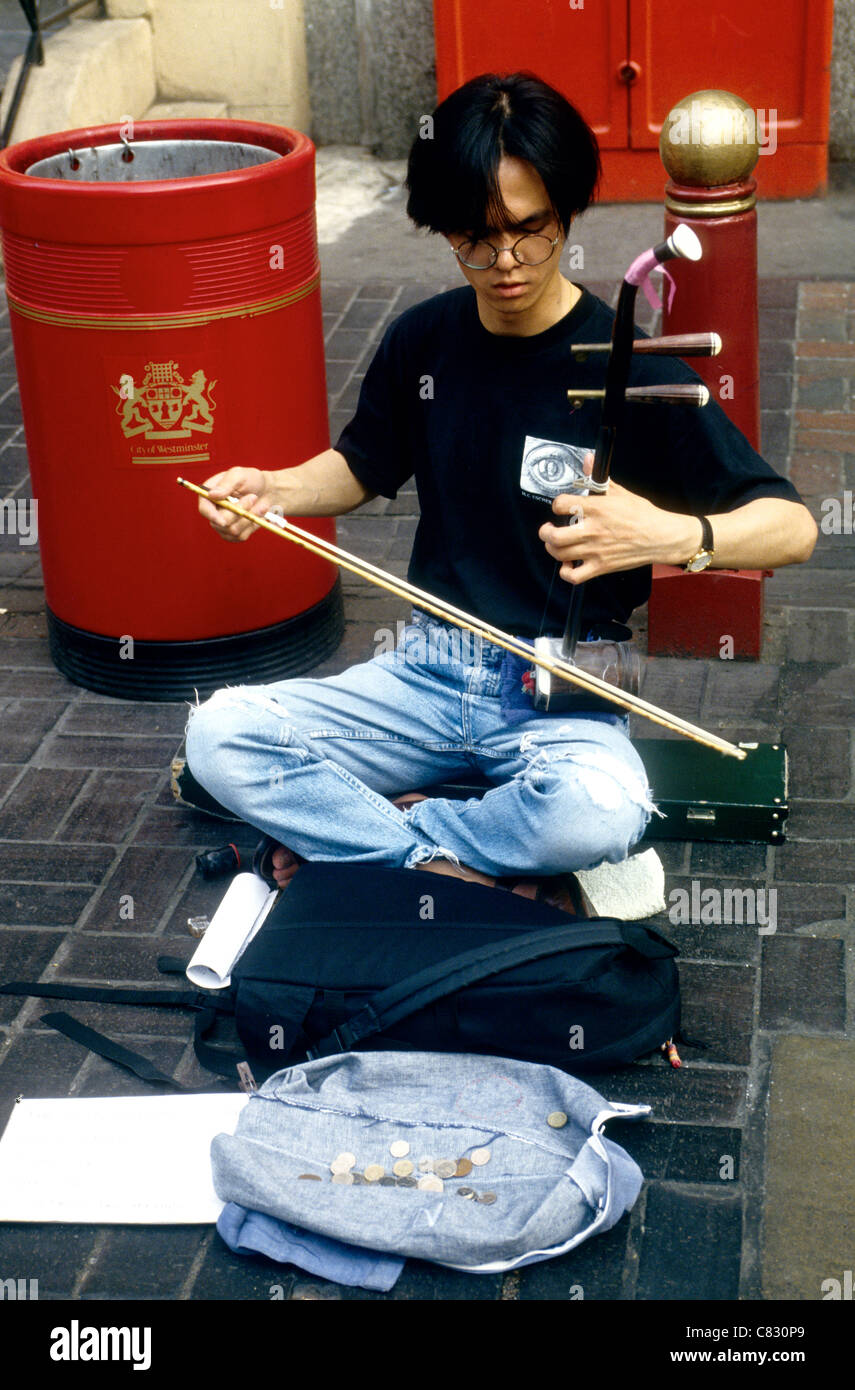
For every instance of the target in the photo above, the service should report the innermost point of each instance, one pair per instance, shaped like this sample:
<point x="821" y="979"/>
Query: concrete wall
<point x="842" y="135"/>
<point x="371" y="71"/>
<point x="332" y="52"/>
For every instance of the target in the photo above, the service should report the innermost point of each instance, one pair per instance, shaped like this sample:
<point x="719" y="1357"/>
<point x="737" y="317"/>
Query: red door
<point x="626" y="63"/>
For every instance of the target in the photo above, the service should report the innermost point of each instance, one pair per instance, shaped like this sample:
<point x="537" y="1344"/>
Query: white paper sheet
<point x="233" y="925"/>
<point x="130" y="1159"/>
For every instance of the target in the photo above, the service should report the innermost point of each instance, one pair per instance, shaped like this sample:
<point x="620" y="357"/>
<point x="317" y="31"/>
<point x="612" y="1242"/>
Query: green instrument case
<point x="705" y="796"/>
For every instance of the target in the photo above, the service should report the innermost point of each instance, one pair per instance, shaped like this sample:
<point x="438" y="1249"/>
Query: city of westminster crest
<point x="164" y="405"/>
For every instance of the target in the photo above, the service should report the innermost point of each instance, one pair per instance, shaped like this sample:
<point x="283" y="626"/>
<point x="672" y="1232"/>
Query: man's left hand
<point x="616" y="530"/>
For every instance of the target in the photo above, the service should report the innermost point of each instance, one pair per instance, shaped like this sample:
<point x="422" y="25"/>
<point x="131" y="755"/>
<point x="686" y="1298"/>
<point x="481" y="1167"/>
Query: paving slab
<point x="809" y="1212"/>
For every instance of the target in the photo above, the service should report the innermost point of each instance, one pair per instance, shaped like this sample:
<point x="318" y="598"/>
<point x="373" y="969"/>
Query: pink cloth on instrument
<point x="639" y="274"/>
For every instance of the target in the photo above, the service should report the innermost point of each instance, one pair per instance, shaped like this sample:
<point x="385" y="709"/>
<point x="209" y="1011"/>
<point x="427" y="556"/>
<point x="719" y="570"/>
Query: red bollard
<point x="709" y="146"/>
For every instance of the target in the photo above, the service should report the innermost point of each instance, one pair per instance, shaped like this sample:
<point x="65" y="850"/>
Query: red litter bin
<point x="164" y="293"/>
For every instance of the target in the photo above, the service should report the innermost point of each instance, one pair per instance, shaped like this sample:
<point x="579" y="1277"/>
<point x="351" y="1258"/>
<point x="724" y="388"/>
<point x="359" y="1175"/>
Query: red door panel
<point x="577" y="50"/>
<point x="774" y="57"/>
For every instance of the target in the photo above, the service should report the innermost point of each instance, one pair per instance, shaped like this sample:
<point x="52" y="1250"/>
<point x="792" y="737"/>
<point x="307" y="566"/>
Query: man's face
<point x="509" y="294"/>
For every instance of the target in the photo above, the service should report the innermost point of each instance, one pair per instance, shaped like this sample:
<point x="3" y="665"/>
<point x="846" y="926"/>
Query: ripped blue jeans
<point x="312" y="763"/>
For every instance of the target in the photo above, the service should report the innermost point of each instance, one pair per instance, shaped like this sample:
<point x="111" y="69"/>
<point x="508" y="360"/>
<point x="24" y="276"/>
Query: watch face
<point x="699" y="562"/>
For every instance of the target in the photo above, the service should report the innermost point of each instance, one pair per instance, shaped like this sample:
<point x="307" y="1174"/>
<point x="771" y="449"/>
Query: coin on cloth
<point x="480" y="1157"/>
<point x="309" y="1177"/>
<point x="387" y="1181"/>
<point x="466" y="1192"/>
<point x="425" y="1165"/>
<point x="374" y="1172"/>
<point x="487" y="1198"/>
<point x="406" y="1182"/>
<point x="343" y="1179"/>
<point x="431" y="1184"/>
<point x="557" y="1120"/>
<point x="445" y="1168"/>
<point x="399" y="1149"/>
<point x="464" y="1168"/>
<point x="343" y="1163"/>
<point x="403" y="1168"/>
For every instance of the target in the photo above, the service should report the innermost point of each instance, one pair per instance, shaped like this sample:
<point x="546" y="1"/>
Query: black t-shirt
<point x="466" y="410"/>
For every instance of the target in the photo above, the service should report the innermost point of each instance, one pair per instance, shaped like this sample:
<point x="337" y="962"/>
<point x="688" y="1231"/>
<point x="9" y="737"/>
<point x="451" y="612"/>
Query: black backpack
<point x="354" y="957"/>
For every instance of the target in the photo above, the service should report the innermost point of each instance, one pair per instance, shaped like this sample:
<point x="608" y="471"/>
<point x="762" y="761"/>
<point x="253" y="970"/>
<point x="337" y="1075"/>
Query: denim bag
<point x="526" y="1185"/>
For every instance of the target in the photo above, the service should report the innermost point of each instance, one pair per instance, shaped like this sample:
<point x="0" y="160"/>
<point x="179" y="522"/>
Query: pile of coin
<point x="434" y="1172"/>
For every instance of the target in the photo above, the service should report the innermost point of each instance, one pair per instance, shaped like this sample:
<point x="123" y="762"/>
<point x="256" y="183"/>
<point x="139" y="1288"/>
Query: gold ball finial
<point x="709" y="138"/>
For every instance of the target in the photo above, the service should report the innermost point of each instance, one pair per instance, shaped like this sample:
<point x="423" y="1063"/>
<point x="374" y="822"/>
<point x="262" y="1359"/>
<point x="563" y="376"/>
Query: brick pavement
<point x="86" y="819"/>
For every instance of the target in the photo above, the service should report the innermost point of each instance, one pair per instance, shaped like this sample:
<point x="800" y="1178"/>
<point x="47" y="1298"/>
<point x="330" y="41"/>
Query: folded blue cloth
<point x="251" y="1232"/>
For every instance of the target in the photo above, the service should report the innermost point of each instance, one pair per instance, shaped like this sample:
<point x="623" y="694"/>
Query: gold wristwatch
<point x="703" y="557"/>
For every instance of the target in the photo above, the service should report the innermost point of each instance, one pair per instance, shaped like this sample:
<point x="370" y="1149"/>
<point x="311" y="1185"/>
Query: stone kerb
<point x="128" y="9"/>
<point x="95" y="72"/>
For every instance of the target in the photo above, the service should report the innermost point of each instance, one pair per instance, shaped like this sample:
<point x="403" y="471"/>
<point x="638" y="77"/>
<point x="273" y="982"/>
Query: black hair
<point x="452" y="173"/>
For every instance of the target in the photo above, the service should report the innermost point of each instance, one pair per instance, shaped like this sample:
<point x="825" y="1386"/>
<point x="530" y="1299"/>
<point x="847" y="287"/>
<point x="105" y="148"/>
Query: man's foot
<point x="275" y="863"/>
<point x="565" y="892"/>
<point x="452" y="870"/>
<point x="407" y="799"/>
<point x="285" y="865"/>
<point x="562" y="891"/>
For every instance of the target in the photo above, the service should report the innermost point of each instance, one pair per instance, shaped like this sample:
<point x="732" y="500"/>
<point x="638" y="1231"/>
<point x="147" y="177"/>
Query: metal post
<point x="709" y="145"/>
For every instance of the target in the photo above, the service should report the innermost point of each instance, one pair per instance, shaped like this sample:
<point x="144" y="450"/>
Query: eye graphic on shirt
<point x="550" y="467"/>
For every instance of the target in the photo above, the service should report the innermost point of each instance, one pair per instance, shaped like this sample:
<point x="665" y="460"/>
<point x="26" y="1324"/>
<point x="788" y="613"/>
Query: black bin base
<point x="179" y="670"/>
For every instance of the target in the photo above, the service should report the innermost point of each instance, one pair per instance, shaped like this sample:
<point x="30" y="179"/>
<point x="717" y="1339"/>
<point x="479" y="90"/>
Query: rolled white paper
<point x="233" y="925"/>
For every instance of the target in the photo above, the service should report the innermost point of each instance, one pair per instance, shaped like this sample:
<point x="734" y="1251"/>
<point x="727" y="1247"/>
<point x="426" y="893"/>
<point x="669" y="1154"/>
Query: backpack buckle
<point x="340" y="1040"/>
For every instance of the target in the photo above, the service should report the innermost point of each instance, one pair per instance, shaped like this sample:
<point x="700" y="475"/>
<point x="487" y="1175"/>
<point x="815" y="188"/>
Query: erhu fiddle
<point x="614" y="660"/>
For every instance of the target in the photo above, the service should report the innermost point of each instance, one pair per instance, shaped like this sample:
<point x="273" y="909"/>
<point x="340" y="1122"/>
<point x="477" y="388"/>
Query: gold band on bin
<point x="163" y="321"/>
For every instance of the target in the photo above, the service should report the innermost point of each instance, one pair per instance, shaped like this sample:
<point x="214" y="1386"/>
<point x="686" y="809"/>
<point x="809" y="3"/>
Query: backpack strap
<point x="106" y="1047"/>
<point x="204" y="1007"/>
<point x="407" y="996"/>
<point x="109" y="994"/>
<point x="214" y="1058"/>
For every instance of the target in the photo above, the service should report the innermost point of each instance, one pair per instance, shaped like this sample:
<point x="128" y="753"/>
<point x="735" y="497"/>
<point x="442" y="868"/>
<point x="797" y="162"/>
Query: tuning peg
<point x="676" y="393"/>
<point x="672" y="345"/>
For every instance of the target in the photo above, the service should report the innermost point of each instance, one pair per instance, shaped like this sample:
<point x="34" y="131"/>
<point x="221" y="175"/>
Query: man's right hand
<point x="252" y="488"/>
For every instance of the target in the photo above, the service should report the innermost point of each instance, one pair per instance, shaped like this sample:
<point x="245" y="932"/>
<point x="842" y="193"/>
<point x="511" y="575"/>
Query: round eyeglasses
<point x="529" y="249"/>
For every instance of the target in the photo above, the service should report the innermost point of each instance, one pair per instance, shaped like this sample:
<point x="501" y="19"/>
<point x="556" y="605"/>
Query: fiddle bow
<point x="402" y="588"/>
